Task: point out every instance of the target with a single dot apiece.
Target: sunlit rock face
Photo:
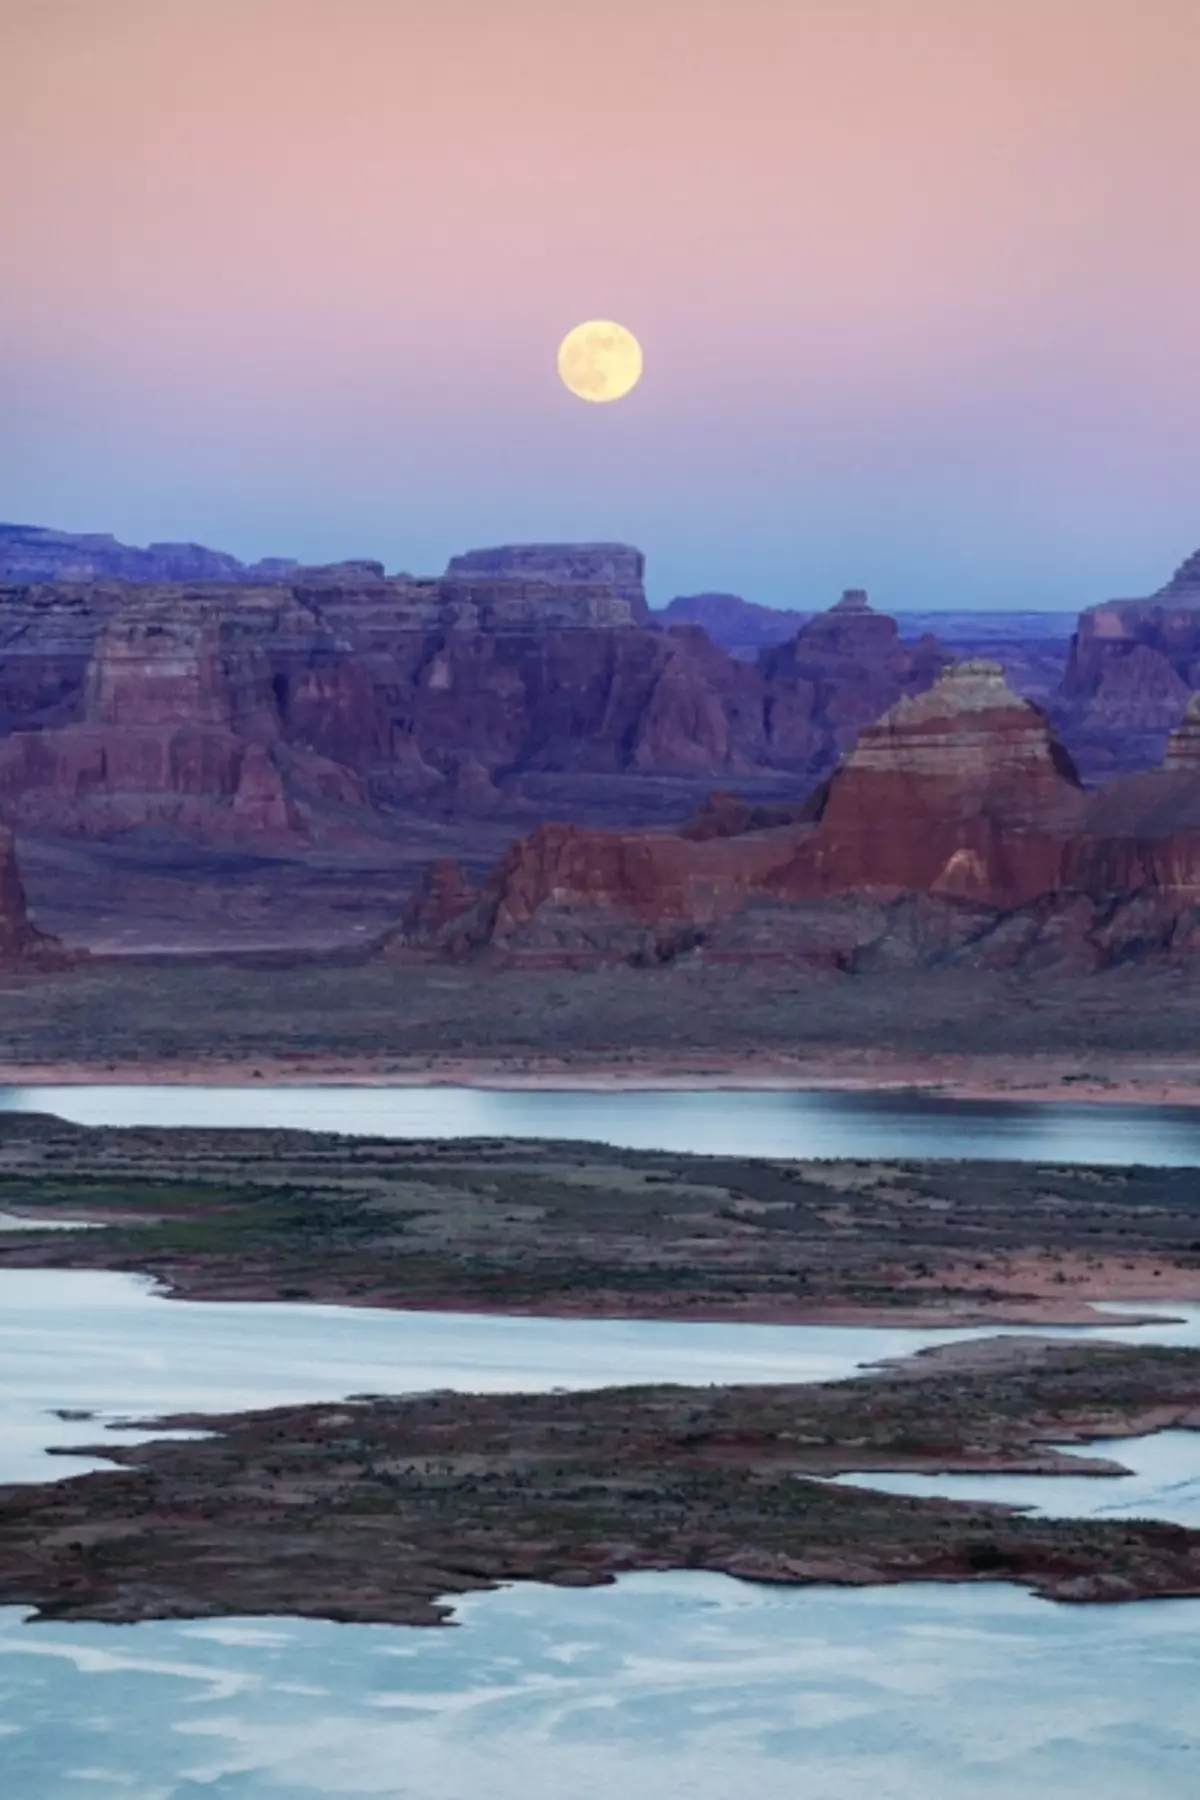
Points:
(957, 830)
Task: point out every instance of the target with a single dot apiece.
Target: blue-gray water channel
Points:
(719, 1121)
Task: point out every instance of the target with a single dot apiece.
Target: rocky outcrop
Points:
(956, 830)
(962, 790)
(22, 945)
(567, 894)
(1131, 667)
(841, 671)
(618, 567)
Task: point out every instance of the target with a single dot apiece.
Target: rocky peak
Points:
(1184, 585)
(966, 753)
(968, 724)
(841, 670)
(848, 632)
(743, 627)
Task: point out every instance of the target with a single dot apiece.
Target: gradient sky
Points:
(918, 283)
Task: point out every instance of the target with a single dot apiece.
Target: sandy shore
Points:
(1164, 1081)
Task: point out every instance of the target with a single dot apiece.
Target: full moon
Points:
(600, 360)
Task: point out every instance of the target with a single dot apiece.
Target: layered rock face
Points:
(21, 944)
(617, 567)
(526, 675)
(1131, 667)
(181, 728)
(567, 894)
(525, 659)
(47, 635)
(957, 829)
(962, 790)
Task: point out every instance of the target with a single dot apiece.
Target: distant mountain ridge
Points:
(744, 627)
(37, 553)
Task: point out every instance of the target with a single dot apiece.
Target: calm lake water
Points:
(681, 1687)
(84, 1340)
(726, 1122)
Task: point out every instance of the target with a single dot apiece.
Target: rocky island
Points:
(384, 1510)
(588, 1230)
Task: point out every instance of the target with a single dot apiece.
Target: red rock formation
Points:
(956, 830)
(181, 730)
(962, 790)
(567, 894)
(725, 814)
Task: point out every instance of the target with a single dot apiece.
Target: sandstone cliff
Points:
(956, 830)
(531, 660)
(181, 729)
(618, 567)
(962, 790)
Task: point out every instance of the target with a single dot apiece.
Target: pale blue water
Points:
(1163, 1483)
(687, 1687)
(95, 1341)
(720, 1121)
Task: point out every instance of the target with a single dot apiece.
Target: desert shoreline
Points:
(1162, 1081)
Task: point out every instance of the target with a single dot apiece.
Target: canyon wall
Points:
(181, 729)
(525, 661)
(957, 829)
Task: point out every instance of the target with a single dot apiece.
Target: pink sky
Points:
(916, 281)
